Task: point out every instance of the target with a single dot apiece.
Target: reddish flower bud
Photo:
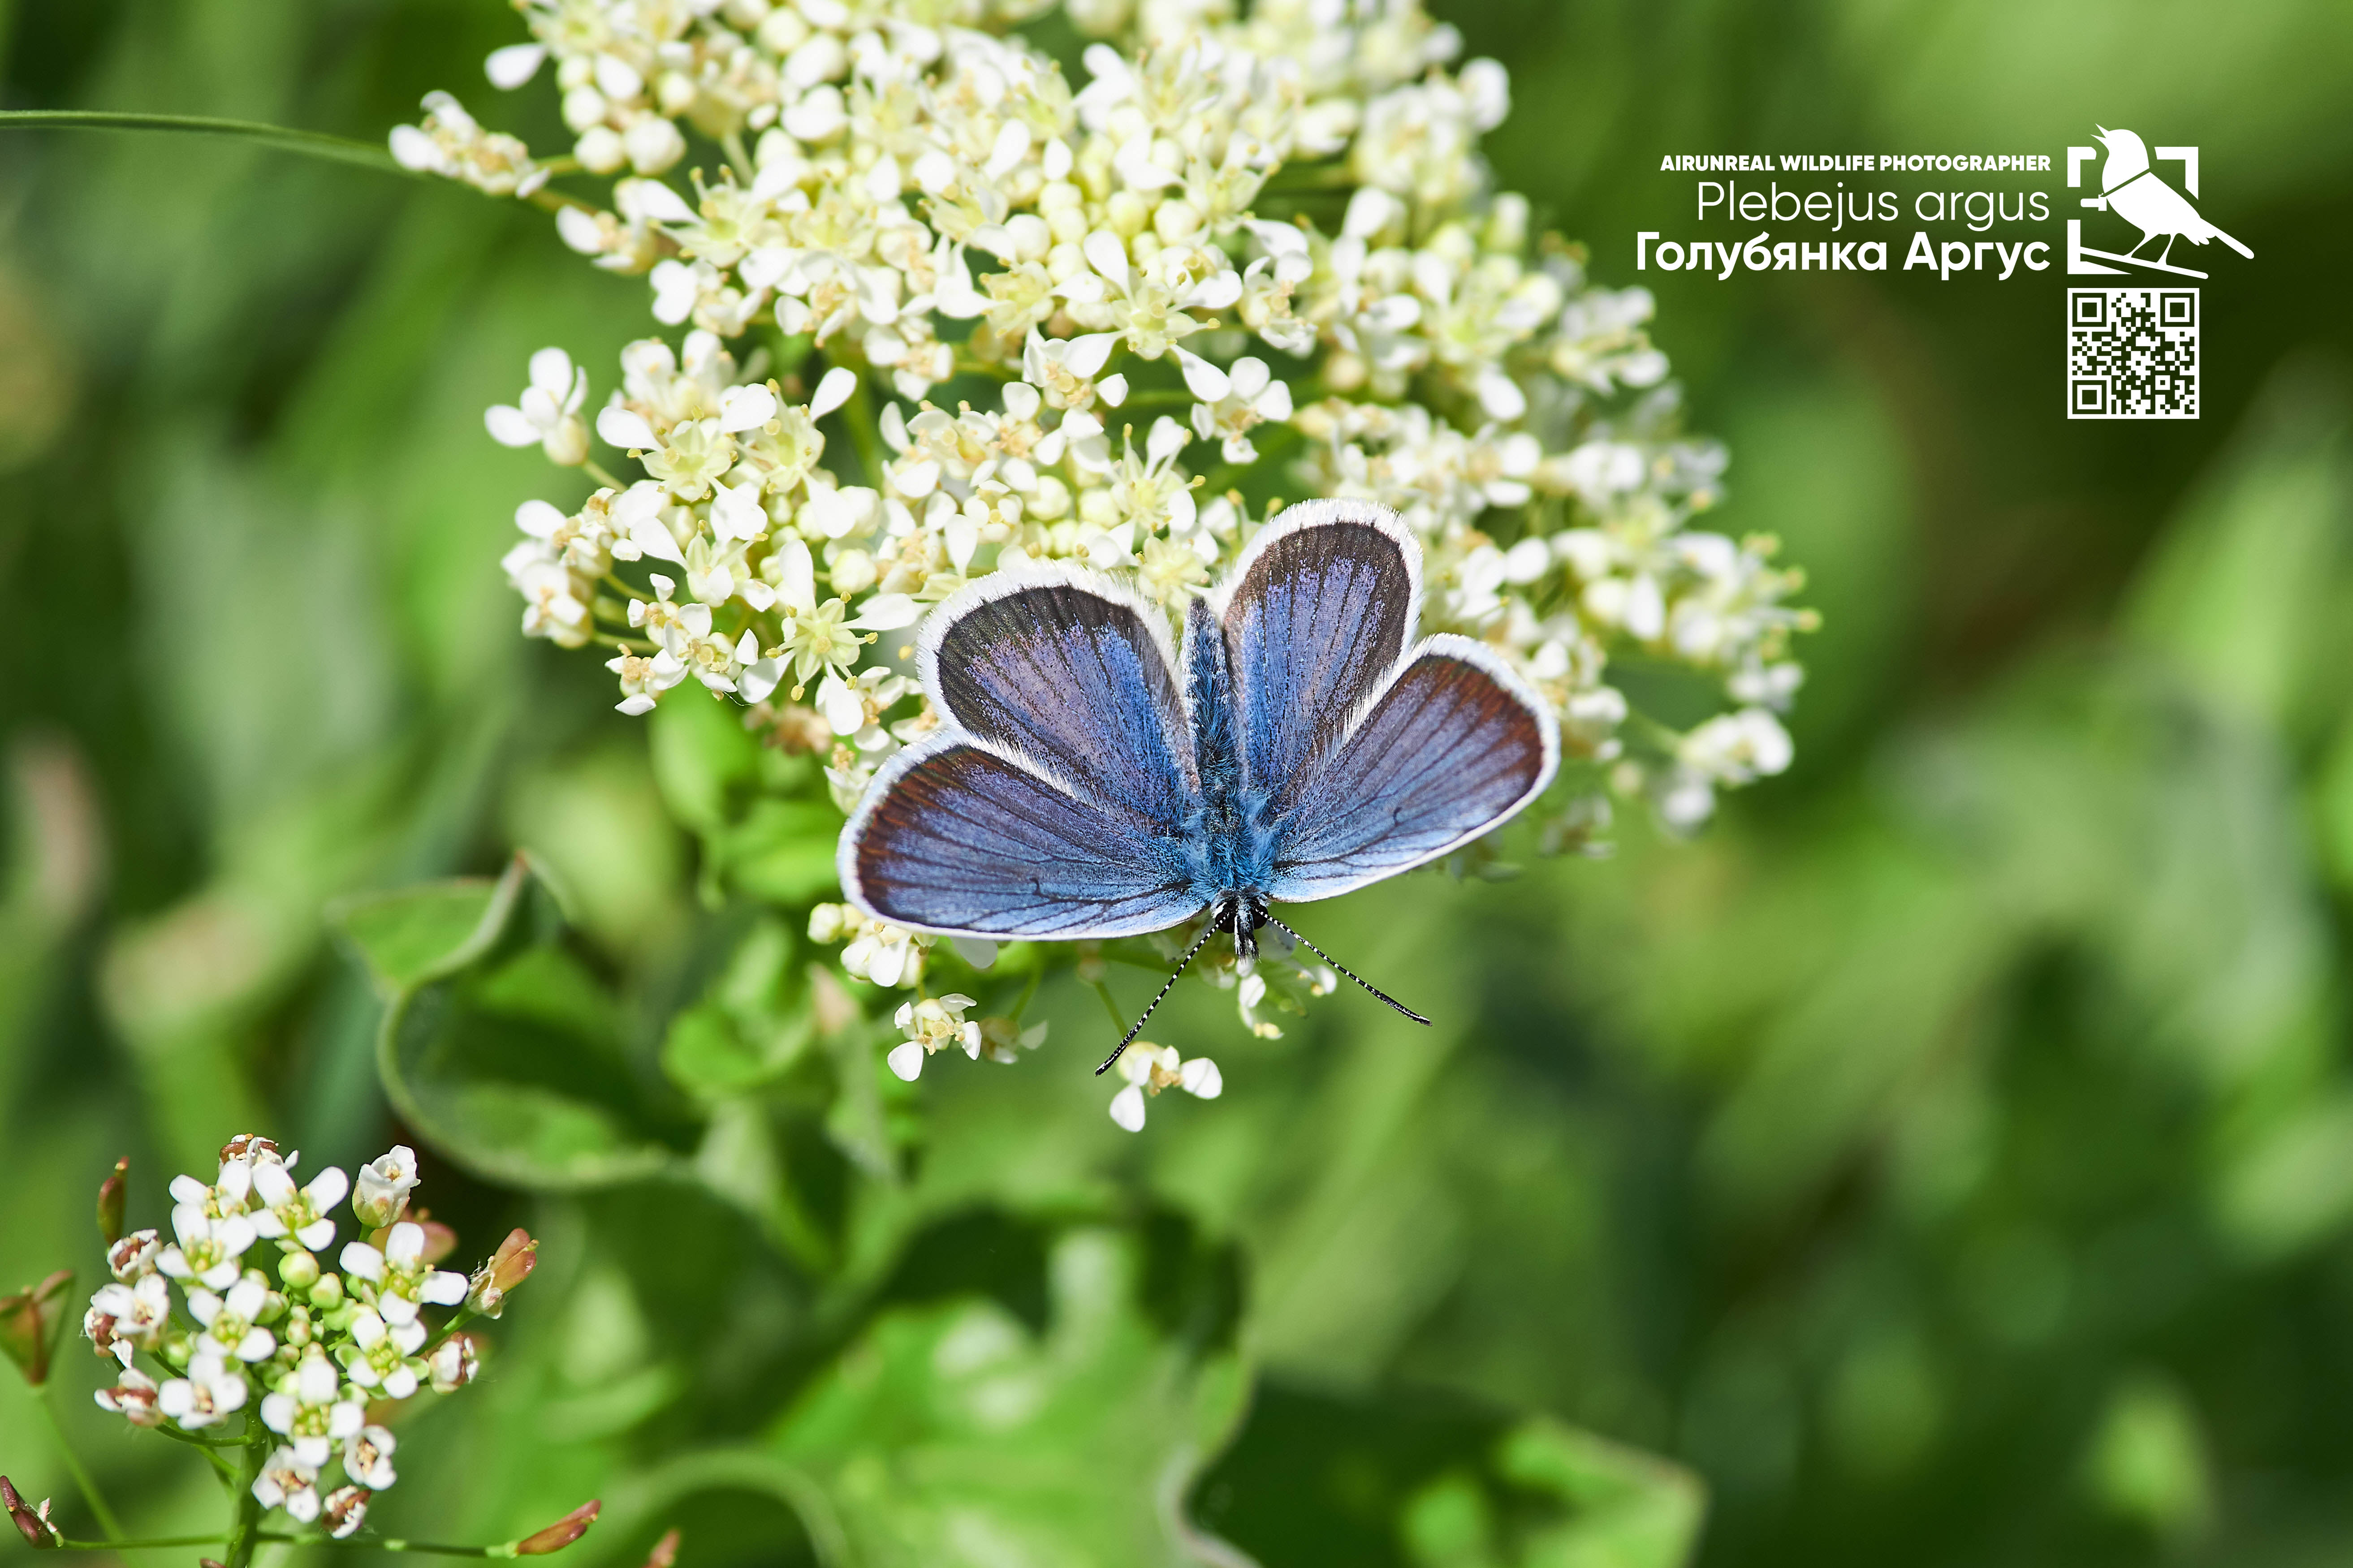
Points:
(509, 1267)
(562, 1534)
(665, 1552)
(32, 1522)
(28, 1324)
(110, 1203)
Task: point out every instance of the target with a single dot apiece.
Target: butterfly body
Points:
(1090, 781)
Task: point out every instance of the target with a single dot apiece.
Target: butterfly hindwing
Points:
(955, 837)
(1454, 746)
(1317, 615)
(1073, 674)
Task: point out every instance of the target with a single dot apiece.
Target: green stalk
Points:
(247, 1529)
(311, 143)
(81, 1478)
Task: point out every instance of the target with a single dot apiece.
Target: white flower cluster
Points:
(304, 1351)
(1249, 250)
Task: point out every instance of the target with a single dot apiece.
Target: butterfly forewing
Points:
(1320, 609)
(1455, 747)
(954, 836)
(1076, 679)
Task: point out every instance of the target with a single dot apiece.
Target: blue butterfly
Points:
(1077, 786)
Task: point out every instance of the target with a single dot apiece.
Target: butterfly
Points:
(1090, 779)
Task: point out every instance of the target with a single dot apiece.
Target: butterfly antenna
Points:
(1207, 931)
(1346, 971)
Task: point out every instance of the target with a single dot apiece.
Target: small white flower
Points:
(132, 1398)
(346, 1509)
(229, 1329)
(122, 1318)
(548, 413)
(210, 1393)
(381, 1196)
(315, 1415)
(231, 1194)
(299, 1212)
(288, 1481)
(207, 1250)
(888, 955)
(1150, 1068)
(385, 1355)
(367, 1458)
(453, 1363)
(399, 1280)
(933, 1024)
(134, 1255)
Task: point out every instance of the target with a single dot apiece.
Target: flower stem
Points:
(386, 1544)
(81, 1477)
(313, 143)
(70, 1544)
(248, 1529)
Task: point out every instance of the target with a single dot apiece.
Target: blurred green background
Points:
(1946, 1158)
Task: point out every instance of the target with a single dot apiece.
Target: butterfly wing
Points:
(1074, 674)
(1317, 615)
(1456, 745)
(1058, 799)
(955, 837)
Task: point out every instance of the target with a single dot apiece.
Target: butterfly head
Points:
(1242, 913)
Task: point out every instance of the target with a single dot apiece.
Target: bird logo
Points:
(2132, 189)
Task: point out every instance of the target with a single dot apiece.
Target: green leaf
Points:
(783, 850)
(409, 937)
(498, 1046)
(953, 1435)
(704, 759)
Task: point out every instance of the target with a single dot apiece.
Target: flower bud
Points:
(110, 1203)
(509, 1267)
(665, 1551)
(328, 1293)
(380, 1193)
(34, 1522)
(560, 1534)
(28, 1324)
(298, 1270)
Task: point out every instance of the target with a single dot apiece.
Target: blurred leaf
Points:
(952, 1435)
(1626, 1509)
(498, 1047)
(704, 761)
(783, 850)
(419, 935)
(2148, 1463)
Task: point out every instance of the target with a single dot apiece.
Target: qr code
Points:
(2132, 353)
